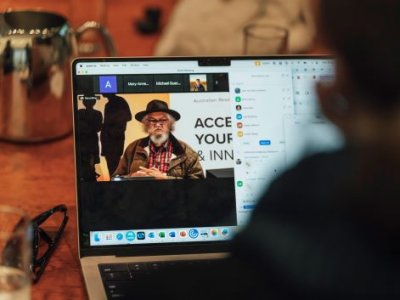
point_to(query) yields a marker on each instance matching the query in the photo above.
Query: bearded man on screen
(160, 154)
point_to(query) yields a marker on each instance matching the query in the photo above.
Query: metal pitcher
(36, 49)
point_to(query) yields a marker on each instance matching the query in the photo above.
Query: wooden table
(38, 176)
(35, 178)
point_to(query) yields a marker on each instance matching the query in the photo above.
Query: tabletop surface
(36, 177)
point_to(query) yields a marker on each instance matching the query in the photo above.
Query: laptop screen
(179, 150)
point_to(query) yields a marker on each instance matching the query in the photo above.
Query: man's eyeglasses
(48, 228)
(157, 121)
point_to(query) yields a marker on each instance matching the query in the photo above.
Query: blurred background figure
(116, 114)
(329, 228)
(215, 27)
(90, 121)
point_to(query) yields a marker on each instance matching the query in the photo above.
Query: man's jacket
(184, 163)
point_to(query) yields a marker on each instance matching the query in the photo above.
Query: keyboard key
(117, 296)
(117, 276)
(138, 267)
(118, 285)
(155, 266)
(107, 268)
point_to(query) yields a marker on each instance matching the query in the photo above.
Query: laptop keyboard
(119, 279)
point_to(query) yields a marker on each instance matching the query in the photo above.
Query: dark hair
(366, 34)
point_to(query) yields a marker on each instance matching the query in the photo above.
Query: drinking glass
(15, 254)
(265, 39)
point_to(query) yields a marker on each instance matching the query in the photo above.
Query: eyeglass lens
(157, 121)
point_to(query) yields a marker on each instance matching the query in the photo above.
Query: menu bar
(192, 66)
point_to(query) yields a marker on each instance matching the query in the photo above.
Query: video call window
(114, 143)
(154, 136)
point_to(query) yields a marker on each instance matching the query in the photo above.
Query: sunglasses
(48, 228)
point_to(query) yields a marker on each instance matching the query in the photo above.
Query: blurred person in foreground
(329, 228)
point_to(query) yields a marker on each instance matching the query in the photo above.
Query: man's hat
(157, 106)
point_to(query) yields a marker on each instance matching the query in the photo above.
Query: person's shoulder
(301, 190)
(98, 114)
(183, 148)
(186, 147)
(312, 178)
(135, 143)
(324, 162)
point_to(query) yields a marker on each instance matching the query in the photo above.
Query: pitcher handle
(105, 35)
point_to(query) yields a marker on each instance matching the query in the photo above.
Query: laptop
(238, 122)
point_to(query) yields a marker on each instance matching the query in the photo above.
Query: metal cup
(36, 50)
